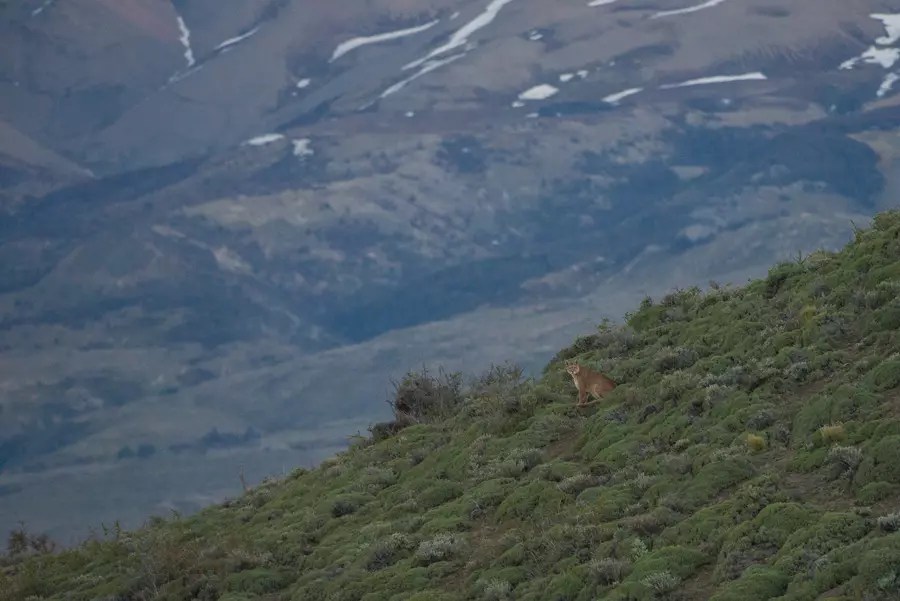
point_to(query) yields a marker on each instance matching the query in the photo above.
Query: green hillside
(751, 452)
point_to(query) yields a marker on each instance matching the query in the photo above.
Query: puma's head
(573, 368)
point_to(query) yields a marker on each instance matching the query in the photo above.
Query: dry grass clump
(833, 433)
(756, 443)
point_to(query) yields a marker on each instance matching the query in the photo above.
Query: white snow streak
(887, 84)
(345, 47)
(237, 39)
(614, 98)
(42, 8)
(263, 139)
(461, 36)
(182, 74)
(427, 68)
(186, 42)
(689, 9)
(715, 79)
(539, 92)
(600, 2)
(303, 83)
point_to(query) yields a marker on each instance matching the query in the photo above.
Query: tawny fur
(589, 382)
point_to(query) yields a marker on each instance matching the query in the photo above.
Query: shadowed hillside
(751, 451)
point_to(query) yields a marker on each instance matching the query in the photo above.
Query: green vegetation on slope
(751, 451)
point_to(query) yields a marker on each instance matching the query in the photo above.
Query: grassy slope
(707, 475)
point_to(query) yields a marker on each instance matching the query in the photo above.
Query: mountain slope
(210, 208)
(750, 452)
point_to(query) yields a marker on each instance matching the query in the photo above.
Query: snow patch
(303, 83)
(264, 139)
(345, 47)
(689, 9)
(302, 147)
(539, 92)
(567, 77)
(600, 2)
(716, 79)
(518, 104)
(614, 98)
(535, 36)
(891, 26)
(698, 232)
(461, 36)
(186, 42)
(230, 261)
(886, 57)
(236, 39)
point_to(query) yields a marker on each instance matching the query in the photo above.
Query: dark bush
(426, 398)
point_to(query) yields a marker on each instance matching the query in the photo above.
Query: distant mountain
(212, 210)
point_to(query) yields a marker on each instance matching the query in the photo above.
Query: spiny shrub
(440, 548)
(577, 483)
(608, 570)
(496, 589)
(661, 583)
(890, 522)
(669, 359)
(638, 548)
(387, 550)
(675, 385)
(844, 460)
(347, 504)
(714, 392)
(515, 463)
(761, 420)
